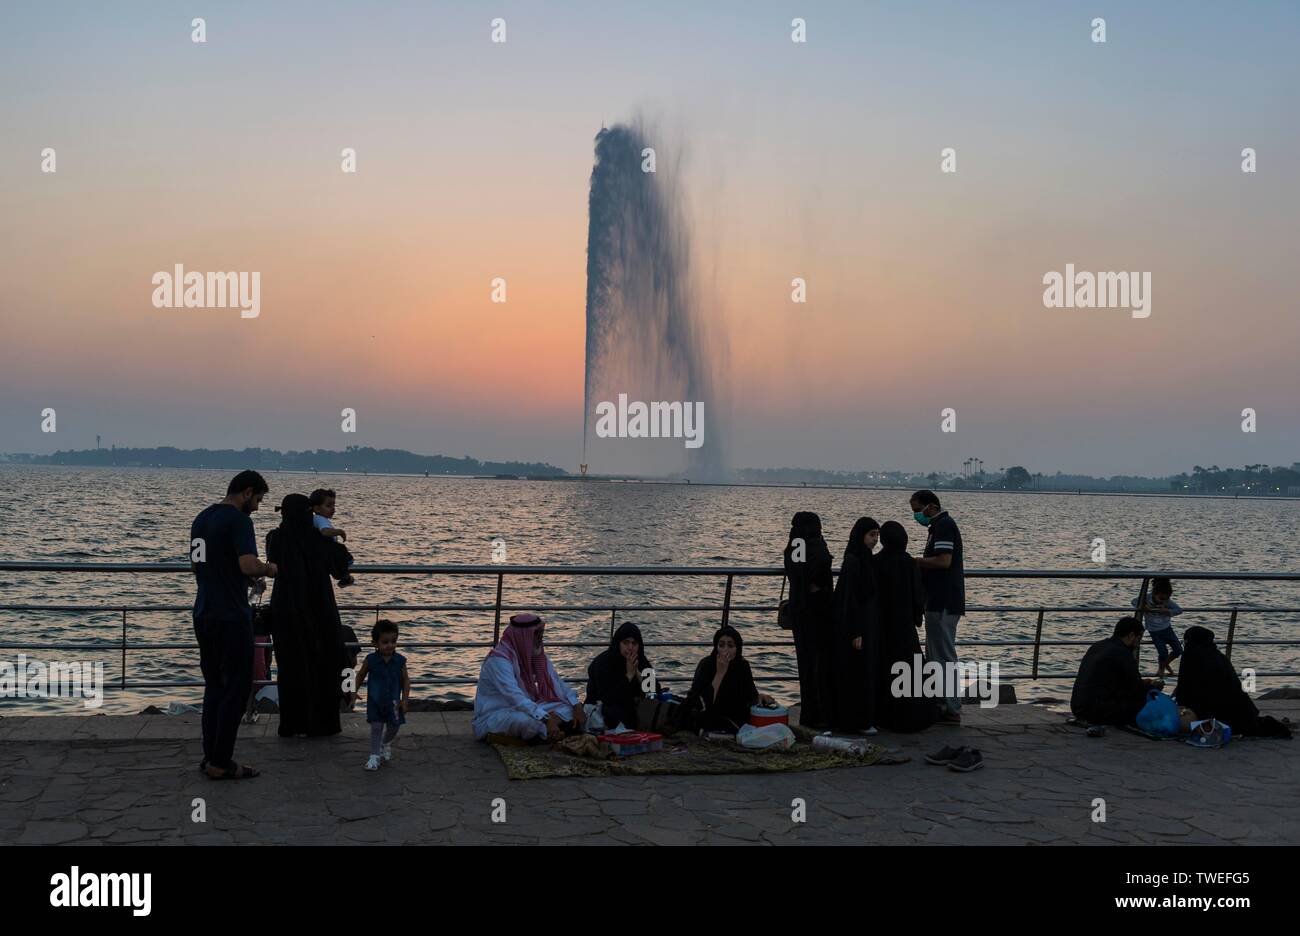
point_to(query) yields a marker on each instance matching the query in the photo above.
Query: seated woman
(614, 678)
(519, 693)
(723, 690)
(1210, 687)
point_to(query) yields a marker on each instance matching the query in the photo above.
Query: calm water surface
(143, 515)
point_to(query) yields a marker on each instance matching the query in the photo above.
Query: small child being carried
(389, 694)
(322, 507)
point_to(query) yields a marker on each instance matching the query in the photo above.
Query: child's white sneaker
(387, 752)
(373, 762)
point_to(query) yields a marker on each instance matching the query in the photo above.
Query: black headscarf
(625, 630)
(856, 546)
(893, 538)
(806, 525)
(612, 659)
(709, 665)
(816, 567)
(296, 522)
(726, 630)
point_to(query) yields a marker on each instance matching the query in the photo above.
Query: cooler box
(632, 742)
(760, 716)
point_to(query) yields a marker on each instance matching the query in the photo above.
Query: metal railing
(726, 608)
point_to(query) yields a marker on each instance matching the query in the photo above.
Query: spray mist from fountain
(647, 335)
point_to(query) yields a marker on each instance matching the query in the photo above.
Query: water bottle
(844, 745)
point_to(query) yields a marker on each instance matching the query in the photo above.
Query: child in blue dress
(389, 693)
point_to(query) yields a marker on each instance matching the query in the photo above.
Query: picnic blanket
(682, 754)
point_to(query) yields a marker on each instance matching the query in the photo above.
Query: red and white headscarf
(516, 645)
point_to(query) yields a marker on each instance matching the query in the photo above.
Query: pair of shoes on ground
(962, 759)
(387, 754)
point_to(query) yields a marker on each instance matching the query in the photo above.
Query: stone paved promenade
(128, 779)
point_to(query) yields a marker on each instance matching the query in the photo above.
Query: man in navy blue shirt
(223, 555)
(943, 576)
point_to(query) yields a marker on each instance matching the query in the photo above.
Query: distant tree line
(1252, 479)
(353, 459)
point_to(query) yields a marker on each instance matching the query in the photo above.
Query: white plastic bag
(595, 723)
(768, 736)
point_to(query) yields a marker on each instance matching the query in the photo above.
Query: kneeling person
(1109, 690)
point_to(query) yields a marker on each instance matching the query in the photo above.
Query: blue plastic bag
(1159, 716)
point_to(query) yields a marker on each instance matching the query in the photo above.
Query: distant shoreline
(632, 480)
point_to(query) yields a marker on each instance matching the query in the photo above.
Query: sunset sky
(818, 160)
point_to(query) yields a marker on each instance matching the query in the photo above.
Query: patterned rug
(682, 754)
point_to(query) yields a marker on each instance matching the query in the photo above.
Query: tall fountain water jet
(646, 333)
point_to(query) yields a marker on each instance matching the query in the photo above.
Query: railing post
(1232, 630)
(1038, 636)
(123, 680)
(1141, 618)
(726, 601)
(496, 626)
(613, 615)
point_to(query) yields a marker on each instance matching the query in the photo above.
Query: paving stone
(88, 777)
(39, 832)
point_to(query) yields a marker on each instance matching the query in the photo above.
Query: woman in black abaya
(855, 658)
(1210, 687)
(614, 677)
(808, 566)
(901, 603)
(305, 621)
(723, 689)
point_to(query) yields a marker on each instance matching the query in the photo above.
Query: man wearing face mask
(945, 587)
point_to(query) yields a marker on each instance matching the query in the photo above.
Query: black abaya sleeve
(738, 693)
(750, 690)
(850, 620)
(819, 563)
(337, 555)
(601, 685)
(699, 686)
(918, 594)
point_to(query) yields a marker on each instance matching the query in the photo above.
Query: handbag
(784, 616)
(659, 715)
(1209, 733)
